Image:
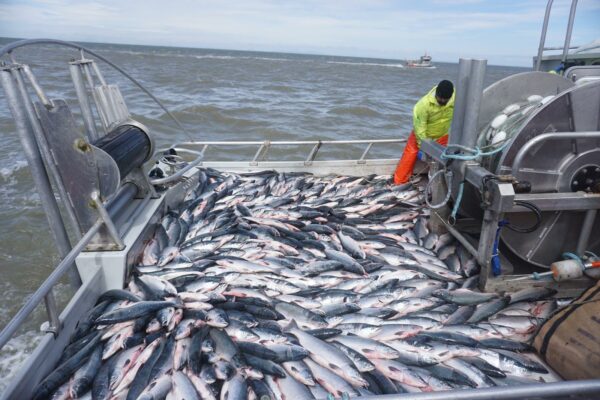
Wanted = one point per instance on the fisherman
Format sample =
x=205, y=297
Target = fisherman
x=432, y=117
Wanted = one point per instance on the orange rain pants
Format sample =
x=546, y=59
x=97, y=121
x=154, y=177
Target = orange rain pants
x=406, y=164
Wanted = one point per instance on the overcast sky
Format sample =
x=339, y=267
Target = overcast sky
x=504, y=32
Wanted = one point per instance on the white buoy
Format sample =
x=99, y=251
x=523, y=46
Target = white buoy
x=534, y=98
x=547, y=99
x=511, y=109
x=499, y=137
x=565, y=270
x=499, y=120
x=490, y=133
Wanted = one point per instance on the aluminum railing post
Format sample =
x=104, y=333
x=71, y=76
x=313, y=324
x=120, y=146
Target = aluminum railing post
x=113, y=207
x=473, y=103
x=84, y=102
x=36, y=87
x=538, y=60
x=460, y=100
x=569, y=31
x=52, y=311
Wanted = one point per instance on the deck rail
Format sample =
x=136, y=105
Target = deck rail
x=113, y=207
x=199, y=148
x=264, y=146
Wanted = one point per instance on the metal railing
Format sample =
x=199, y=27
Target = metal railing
x=567, y=45
x=264, y=146
x=556, y=390
x=263, y=151
x=113, y=207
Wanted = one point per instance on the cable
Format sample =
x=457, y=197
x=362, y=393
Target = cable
x=449, y=176
x=590, y=254
x=535, y=210
x=27, y=42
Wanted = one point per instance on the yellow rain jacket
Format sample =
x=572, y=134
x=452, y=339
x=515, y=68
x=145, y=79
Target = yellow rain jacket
x=430, y=120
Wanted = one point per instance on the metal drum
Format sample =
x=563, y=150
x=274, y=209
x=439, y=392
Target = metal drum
x=536, y=103
x=496, y=98
x=556, y=166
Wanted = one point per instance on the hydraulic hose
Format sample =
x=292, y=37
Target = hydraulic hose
x=537, y=212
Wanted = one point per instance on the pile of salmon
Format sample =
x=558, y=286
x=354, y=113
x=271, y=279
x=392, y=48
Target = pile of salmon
x=292, y=286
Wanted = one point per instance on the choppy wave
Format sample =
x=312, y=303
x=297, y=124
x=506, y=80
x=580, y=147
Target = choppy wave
x=358, y=111
x=173, y=54
x=219, y=57
x=280, y=88
x=368, y=64
x=218, y=116
x=7, y=173
x=14, y=353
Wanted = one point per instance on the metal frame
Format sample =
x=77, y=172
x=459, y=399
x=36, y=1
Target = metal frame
x=100, y=271
x=501, y=195
x=265, y=145
x=45, y=170
x=550, y=136
x=567, y=44
x=520, y=392
x=582, y=74
x=198, y=149
x=121, y=199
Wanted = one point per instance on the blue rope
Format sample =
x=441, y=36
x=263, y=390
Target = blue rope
x=495, y=261
x=472, y=153
x=575, y=257
x=475, y=153
x=458, y=200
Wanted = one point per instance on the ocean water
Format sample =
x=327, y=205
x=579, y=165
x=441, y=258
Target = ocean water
x=217, y=95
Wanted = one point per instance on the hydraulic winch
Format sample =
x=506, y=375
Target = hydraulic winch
x=523, y=165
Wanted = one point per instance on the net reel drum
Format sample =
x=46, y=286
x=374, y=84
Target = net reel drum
x=517, y=110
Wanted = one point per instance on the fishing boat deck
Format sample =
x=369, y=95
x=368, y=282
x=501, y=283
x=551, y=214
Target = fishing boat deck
x=102, y=271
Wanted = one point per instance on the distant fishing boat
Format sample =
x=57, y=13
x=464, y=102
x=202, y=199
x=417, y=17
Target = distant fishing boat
x=424, y=62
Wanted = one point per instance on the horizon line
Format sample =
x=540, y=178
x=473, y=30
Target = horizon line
x=255, y=51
